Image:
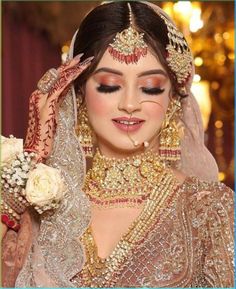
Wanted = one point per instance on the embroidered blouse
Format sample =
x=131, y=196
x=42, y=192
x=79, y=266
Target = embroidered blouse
x=189, y=244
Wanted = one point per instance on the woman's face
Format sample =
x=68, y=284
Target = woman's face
x=127, y=104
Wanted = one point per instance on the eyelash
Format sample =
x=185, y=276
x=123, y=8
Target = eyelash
x=110, y=89
x=107, y=88
x=153, y=91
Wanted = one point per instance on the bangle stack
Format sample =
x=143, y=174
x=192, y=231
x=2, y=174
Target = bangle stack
x=13, y=181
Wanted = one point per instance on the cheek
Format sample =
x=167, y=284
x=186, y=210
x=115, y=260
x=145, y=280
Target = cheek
x=155, y=113
x=96, y=105
x=156, y=109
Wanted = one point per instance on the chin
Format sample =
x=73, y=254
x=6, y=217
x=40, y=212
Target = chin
x=119, y=149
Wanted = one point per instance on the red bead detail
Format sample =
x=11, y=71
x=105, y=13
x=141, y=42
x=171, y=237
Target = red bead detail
x=10, y=223
x=5, y=218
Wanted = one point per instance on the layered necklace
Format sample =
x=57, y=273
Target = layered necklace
x=124, y=183
x=113, y=183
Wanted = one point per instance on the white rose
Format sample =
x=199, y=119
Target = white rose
x=10, y=147
x=44, y=186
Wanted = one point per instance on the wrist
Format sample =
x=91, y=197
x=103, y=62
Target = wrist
x=9, y=217
x=37, y=157
x=14, y=176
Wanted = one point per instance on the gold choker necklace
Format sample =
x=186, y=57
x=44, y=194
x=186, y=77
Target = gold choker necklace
x=112, y=183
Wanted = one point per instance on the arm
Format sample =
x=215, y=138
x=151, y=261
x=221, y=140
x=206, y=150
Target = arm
x=43, y=114
x=3, y=230
x=219, y=246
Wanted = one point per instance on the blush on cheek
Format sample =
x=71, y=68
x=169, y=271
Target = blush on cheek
x=155, y=110
x=95, y=103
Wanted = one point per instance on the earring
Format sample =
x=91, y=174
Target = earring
x=84, y=132
x=169, y=144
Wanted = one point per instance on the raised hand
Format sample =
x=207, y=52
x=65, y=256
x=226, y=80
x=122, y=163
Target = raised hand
x=44, y=106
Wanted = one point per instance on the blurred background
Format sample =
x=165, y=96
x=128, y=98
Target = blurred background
x=36, y=37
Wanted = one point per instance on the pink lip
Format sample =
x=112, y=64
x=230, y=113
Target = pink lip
x=128, y=128
x=125, y=118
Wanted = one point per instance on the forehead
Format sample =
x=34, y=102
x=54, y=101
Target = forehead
x=145, y=63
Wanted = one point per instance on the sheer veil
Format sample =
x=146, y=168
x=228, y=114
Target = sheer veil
x=56, y=254
x=196, y=159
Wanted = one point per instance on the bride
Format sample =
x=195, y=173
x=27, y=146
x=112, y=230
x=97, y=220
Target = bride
x=148, y=210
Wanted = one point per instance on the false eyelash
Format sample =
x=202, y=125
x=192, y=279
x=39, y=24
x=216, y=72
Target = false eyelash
x=153, y=91
x=107, y=88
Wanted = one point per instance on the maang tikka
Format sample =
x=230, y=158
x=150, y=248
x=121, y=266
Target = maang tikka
x=128, y=45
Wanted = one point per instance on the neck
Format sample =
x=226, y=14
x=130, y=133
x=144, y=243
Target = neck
x=113, y=182
x=118, y=153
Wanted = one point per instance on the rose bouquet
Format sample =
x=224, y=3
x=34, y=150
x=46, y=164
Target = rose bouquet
x=27, y=182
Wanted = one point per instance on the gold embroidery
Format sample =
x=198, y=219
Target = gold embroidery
x=98, y=272
x=190, y=243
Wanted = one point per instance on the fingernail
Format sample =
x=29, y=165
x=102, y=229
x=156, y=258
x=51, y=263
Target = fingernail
x=77, y=57
x=86, y=61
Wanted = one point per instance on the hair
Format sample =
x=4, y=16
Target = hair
x=100, y=26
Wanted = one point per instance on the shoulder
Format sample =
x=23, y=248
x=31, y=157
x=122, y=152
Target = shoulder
x=205, y=196
x=208, y=192
x=209, y=204
x=210, y=208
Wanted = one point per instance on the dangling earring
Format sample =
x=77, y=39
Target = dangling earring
x=84, y=132
x=169, y=144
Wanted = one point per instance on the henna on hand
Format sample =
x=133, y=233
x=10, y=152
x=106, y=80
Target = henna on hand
x=43, y=109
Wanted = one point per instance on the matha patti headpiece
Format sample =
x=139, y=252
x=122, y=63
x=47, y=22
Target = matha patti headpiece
x=179, y=57
x=128, y=45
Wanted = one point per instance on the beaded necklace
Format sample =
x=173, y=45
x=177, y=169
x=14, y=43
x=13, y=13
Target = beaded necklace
x=103, y=272
x=112, y=183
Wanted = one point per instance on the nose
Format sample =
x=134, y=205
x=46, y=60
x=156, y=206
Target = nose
x=129, y=102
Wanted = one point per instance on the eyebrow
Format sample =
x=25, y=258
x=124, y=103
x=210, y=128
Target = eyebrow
x=106, y=69
x=145, y=73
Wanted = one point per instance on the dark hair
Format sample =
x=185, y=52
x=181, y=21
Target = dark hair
x=100, y=26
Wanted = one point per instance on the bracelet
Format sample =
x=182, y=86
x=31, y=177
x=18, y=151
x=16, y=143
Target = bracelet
x=13, y=180
x=14, y=177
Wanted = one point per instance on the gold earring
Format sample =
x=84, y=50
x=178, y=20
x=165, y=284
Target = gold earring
x=84, y=132
x=169, y=143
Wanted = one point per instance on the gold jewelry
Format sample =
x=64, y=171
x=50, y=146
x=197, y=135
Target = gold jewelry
x=48, y=80
x=112, y=183
x=99, y=272
x=179, y=57
x=169, y=147
x=84, y=132
x=128, y=45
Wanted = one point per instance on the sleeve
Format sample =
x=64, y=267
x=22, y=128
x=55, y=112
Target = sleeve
x=219, y=246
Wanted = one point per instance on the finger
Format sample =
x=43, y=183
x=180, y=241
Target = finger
x=70, y=63
x=67, y=77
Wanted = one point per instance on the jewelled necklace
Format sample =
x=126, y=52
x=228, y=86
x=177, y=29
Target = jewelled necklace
x=103, y=272
x=112, y=183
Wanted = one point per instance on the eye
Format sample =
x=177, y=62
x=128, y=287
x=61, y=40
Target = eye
x=153, y=90
x=107, y=88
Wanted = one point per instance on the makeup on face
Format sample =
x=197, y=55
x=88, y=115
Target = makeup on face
x=127, y=103
x=149, y=82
